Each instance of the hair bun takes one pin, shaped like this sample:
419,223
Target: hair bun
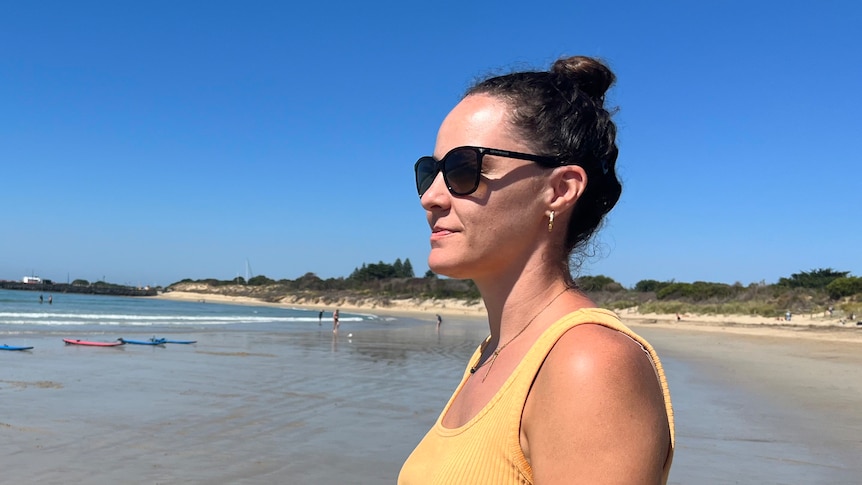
589,74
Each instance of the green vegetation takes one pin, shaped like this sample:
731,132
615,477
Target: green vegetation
697,291
383,271
599,283
806,292
644,286
816,278
844,286
381,280
104,285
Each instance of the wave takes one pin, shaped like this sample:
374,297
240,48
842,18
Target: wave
16,318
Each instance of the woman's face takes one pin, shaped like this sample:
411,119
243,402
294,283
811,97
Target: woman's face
495,228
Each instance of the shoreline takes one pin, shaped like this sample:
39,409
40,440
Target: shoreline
803,326
426,309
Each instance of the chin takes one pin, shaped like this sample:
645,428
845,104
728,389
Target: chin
448,267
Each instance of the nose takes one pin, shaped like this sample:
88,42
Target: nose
437,194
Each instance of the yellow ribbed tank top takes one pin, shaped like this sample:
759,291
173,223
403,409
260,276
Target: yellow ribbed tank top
487,449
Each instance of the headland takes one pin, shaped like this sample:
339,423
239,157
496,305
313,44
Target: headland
92,289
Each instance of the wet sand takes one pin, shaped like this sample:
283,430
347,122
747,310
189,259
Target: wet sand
255,406
765,409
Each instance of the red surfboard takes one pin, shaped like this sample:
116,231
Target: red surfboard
93,344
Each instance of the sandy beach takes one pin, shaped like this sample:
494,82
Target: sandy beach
753,404
814,326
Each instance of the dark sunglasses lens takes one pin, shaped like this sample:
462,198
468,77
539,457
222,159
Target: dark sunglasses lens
461,170
426,170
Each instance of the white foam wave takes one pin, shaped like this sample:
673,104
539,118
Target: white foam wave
15,318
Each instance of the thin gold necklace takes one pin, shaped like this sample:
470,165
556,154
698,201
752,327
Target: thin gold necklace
499,349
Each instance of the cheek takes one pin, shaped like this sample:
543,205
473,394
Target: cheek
519,202
512,213
510,227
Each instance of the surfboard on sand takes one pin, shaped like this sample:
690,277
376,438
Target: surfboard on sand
72,341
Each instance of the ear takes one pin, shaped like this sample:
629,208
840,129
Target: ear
567,184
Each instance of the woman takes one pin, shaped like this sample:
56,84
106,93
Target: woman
561,391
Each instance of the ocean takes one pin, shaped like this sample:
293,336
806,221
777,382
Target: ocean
265,395
21,313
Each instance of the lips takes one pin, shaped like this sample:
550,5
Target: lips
441,232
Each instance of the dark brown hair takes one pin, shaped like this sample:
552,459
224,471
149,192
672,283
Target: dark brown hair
561,113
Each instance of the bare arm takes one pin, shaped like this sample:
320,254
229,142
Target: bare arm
596,413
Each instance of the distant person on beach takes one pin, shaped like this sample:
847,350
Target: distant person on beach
320,318
522,174
41,300
439,321
335,323
50,299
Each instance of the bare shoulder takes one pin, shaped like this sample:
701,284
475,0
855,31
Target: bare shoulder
596,411
599,365
595,351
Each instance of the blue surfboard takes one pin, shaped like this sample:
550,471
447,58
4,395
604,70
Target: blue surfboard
153,341
179,341
13,347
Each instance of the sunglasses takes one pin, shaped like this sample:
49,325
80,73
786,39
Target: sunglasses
462,166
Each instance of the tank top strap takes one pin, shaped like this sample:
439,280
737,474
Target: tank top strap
539,351
535,357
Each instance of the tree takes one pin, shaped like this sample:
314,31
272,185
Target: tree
697,291
816,278
382,271
598,283
358,274
260,280
846,286
645,286
309,281
407,270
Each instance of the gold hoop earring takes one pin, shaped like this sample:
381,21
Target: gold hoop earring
551,221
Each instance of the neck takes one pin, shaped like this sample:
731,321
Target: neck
512,300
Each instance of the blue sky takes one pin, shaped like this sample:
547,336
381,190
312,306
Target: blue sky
147,142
